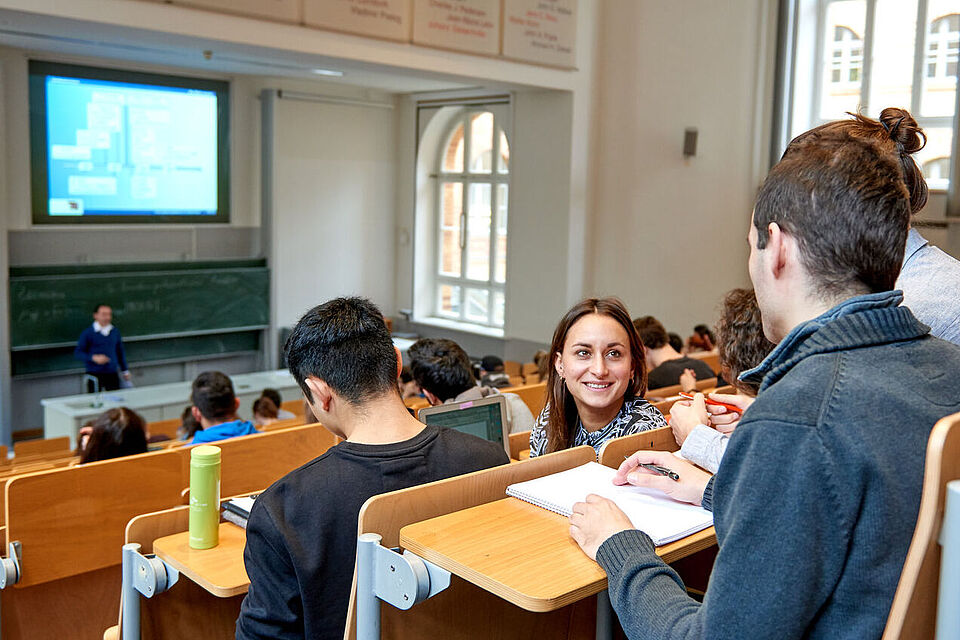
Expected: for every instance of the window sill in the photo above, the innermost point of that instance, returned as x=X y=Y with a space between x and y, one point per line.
x=465 y=327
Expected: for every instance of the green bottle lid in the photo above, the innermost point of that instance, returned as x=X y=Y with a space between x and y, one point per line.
x=205 y=454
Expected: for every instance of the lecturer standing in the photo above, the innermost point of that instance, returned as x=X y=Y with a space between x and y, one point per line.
x=101 y=349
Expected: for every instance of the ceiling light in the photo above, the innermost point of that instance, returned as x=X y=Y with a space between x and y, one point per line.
x=327 y=72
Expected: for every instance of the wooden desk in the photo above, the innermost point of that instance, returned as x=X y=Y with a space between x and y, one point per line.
x=537 y=566
x=219 y=570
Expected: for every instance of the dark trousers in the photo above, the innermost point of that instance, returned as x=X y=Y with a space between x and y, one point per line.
x=108 y=381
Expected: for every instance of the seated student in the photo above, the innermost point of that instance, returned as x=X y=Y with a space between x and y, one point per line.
x=264 y=412
x=701 y=340
x=215 y=408
x=408 y=386
x=492 y=373
x=442 y=369
x=277 y=400
x=113 y=434
x=664 y=364
x=596 y=385
x=741 y=346
x=188 y=425
x=302 y=533
x=542 y=359
x=675 y=341
x=817 y=497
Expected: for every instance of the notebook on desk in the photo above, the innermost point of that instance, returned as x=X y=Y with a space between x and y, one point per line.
x=660 y=517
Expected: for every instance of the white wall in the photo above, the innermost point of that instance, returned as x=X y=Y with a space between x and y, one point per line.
x=334 y=205
x=668 y=233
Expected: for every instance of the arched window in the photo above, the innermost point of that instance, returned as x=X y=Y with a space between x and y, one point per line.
x=936 y=169
x=473 y=173
x=846 y=63
x=943 y=42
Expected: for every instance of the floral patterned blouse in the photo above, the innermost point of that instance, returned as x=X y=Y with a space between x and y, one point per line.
x=635 y=415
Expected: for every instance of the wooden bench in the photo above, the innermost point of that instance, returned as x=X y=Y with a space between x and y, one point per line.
x=41 y=447
x=519 y=441
x=613 y=452
x=534 y=395
x=70 y=523
x=464 y=610
x=664 y=393
x=710 y=358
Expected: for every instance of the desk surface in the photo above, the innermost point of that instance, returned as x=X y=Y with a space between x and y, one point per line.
x=537 y=567
x=219 y=570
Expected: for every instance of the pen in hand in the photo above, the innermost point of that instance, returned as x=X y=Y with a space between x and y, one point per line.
x=663 y=471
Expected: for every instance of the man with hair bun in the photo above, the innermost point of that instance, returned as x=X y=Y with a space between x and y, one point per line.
x=817 y=496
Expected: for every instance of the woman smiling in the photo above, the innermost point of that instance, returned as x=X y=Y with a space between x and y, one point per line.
x=597 y=380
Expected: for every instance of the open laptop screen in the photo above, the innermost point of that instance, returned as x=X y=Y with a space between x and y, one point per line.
x=482 y=418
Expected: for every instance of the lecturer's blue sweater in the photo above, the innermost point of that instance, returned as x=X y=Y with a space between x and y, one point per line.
x=111 y=345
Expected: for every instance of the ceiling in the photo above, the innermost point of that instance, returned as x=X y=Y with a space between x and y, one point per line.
x=67 y=37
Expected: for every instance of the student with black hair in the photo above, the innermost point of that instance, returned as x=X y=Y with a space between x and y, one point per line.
x=274 y=396
x=215 y=408
x=302 y=532
x=113 y=434
x=442 y=369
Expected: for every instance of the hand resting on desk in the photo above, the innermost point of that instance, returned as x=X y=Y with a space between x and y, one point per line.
x=595 y=520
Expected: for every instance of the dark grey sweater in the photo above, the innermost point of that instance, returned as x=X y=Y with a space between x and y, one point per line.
x=302 y=534
x=817 y=496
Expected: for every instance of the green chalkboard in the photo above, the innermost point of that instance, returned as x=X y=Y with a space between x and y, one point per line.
x=163 y=310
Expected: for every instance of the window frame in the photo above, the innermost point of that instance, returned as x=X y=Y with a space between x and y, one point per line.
x=787 y=93
x=467 y=178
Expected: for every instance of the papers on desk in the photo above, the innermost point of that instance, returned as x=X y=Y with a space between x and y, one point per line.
x=237 y=510
x=660 y=517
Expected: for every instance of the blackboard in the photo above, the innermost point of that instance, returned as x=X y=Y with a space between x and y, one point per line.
x=164 y=310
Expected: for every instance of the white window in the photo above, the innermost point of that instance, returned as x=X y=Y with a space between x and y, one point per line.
x=866 y=55
x=462 y=216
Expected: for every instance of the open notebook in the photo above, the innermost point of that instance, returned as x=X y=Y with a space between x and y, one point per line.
x=660 y=517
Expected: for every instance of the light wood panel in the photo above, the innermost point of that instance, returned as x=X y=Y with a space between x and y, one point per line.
x=166 y=427
x=518 y=442
x=914 y=610
x=613 y=452
x=386 y=514
x=41 y=447
x=219 y=570
x=663 y=393
x=512 y=368
x=293 y=406
x=534 y=395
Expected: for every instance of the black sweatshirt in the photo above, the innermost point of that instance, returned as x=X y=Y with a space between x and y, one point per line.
x=302 y=534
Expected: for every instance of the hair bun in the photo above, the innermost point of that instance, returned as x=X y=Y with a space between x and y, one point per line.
x=903 y=129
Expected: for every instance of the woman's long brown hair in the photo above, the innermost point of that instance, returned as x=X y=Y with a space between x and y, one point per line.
x=563 y=410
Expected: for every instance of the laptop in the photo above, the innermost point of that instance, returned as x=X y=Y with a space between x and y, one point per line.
x=485 y=418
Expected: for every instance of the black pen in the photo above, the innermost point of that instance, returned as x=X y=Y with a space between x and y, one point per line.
x=663 y=471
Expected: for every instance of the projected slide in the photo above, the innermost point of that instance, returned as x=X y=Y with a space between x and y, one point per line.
x=116 y=148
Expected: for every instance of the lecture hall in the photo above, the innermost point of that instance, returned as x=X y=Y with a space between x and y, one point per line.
x=468 y=319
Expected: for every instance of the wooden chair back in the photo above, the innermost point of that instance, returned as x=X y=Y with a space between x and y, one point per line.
x=187 y=610
x=516 y=381
x=668 y=392
x=41 y=447
x=518 y=442
x=293 y=406
x=70 y=521
x=534 y=395
x=664 y=406
x=710 y=358
x=416 y=404
x=4 y=456
x=282 y=424
x=528 y=368
x=464 y=610
x=167 y=427
x=254 y=462
x=613 y=452
x=512 y=368
x=531 y=378
x=914 y=610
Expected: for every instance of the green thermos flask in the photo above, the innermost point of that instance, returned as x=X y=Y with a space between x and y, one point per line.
x=204 y=497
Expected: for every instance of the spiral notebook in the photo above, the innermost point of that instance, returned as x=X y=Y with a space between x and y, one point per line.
x=660 y=517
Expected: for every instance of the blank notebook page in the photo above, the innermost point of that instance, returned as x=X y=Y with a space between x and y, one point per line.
x=660 y=517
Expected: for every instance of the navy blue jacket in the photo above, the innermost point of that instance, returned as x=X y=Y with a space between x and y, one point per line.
x=91 y=342
x=816 y=499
